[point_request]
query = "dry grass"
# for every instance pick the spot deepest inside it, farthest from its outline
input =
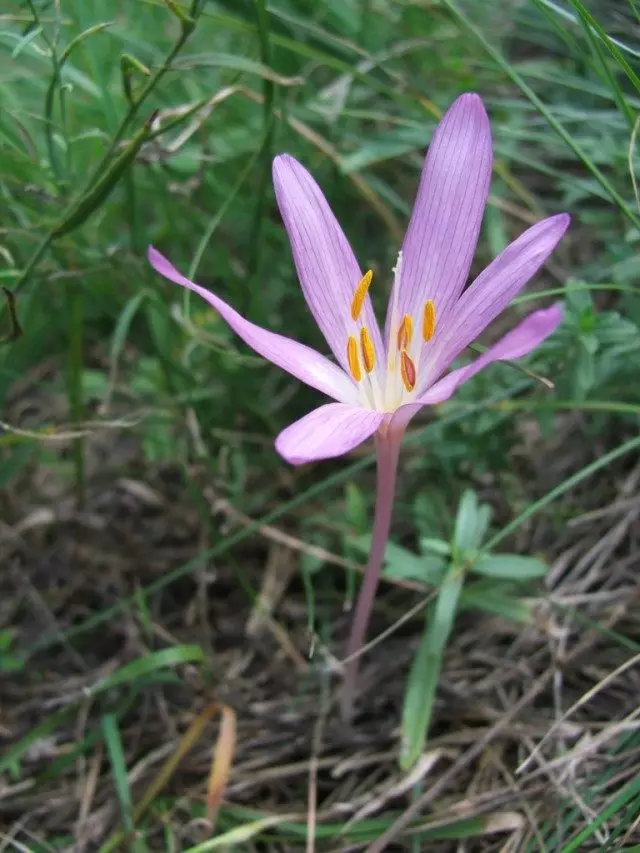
(528, 720)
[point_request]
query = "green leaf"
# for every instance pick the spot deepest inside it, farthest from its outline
(509, 566)
(402, 564)
(425, 670)
(436, 546)
(115, 752)
(570, 140)
(356, 507)
(104, 186)
(472, 523)
(478, 597)
(140, 669)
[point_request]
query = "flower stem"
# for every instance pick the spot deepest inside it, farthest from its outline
(387, 452)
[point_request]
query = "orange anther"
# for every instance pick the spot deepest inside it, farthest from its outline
(352, 358)
(405, 332)
(407, 371)
(366, 347)
(359, 296)
(429, 320)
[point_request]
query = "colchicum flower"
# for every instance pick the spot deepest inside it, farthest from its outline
(382, 379)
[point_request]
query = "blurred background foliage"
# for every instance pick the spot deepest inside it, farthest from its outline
(142, 121)
(354, 90)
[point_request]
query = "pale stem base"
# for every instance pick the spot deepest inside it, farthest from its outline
(387, 452)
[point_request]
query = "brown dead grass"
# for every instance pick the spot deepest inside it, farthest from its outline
(526, 718)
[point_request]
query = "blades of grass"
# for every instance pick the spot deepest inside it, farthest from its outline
(426, 667)
(128, 674)
(279, 511)
(562, 488)
(15, 329)
(10, 761)
(561, 827)
(56, 85)
(222, 756)
(115, 752)
(86, 204)
(631, 158)
(628, 792)
(329, 60)
(577, 287)
(598, 50)
(610, 406)
(465, 22)
(591, 23)
(268, 124)
(219, 215)
(294, 827)
(81, 748)
(163, 659)
(118, 340)
(104, 175)
(75, 392)
(567, 16)
(240, 834)
(475, 597)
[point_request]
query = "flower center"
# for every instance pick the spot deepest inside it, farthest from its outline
(386, 390)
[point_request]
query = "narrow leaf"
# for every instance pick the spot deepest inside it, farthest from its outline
(509, 566)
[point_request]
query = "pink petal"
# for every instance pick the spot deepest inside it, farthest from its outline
(326, 432)
(297, 359)
(327, 268)
(442, 234)
(494, 289)
(521, 340)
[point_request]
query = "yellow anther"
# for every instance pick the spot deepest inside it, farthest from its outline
(429, 320)
(405, 332)
(352, 358)
(359, 296)
(366, 347)
(407, 371)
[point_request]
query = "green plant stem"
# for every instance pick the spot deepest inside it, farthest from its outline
(98, 171)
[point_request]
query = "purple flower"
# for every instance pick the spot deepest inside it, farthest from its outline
(381, 380)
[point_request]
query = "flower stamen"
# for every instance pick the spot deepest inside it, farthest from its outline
(360, 295)
(405, 332)
(366, 347)
(352, 358)
(407, 371)
(429, 320)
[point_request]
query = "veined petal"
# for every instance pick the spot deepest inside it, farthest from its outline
(521, 340)
(297, 359)
(327, 268)
(441, 238)
(494, 289)
(326, 432)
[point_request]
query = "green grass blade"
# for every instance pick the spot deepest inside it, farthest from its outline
(592, 24)
(115, 753)
(425, 671)
(577, 149)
